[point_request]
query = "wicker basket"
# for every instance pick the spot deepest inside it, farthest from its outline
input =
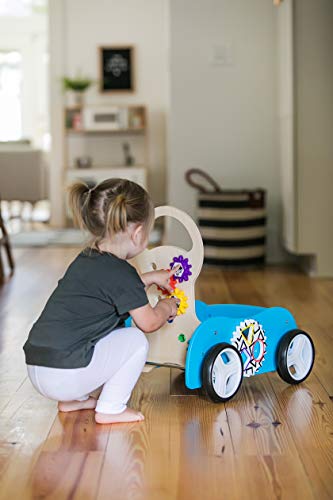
(232, 223)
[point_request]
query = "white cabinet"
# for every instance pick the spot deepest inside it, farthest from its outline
(93, 176)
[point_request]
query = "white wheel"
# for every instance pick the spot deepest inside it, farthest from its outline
(299, 356)
(222, 372)
(295, 356)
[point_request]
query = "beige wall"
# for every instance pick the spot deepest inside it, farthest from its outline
(314, 129)
(305, 38)
(223, 118)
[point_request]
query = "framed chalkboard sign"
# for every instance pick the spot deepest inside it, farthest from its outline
(116, 69)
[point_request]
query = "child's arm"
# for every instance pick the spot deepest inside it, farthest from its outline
(149, 319)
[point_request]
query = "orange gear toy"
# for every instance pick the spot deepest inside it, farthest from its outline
(183, 305)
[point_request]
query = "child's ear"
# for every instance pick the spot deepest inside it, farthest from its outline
(137, 234)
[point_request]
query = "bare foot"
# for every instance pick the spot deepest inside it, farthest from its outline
(127, 415)
(88, 404)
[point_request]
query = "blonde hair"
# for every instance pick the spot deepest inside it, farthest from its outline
(109, 207)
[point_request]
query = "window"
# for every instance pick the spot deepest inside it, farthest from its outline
(10, 96)
(21, 8)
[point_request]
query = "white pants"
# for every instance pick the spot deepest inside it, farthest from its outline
(116, 365)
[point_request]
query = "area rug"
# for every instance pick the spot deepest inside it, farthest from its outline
(52, 237)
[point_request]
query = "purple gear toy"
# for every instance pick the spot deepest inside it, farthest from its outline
(183, 272)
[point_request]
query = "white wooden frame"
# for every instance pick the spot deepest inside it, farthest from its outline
(165, 346)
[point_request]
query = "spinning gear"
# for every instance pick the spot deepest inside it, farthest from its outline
(184, 271)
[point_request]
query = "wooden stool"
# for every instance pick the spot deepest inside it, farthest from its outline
(4, 242)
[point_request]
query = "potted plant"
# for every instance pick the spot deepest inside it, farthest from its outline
(77, 85)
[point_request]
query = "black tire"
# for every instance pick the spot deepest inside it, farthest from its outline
(281, 361)
(207, 372)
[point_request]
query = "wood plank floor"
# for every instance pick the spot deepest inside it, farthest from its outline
(271, 441)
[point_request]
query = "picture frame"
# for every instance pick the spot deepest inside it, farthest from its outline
(117, 68)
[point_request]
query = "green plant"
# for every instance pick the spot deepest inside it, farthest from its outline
(76, 84)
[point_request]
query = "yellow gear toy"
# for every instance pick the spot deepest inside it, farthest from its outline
(183, 305)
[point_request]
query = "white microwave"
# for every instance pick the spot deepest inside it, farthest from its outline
(105, 118)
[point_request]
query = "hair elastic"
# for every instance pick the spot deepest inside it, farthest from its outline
(120, 198)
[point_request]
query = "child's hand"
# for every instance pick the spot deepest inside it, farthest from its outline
(149, 319)
(160, 278)
(173, 304)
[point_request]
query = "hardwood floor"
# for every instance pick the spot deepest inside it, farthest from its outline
(272, 441)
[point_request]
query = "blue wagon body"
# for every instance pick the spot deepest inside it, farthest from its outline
(223, 323)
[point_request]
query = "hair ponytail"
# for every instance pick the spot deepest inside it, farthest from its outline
(109, 207)
(116, 218)
(78, 198)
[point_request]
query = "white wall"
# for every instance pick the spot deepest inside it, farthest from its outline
(142, 23)
(57, 44)
(224, 118)
(221, 118)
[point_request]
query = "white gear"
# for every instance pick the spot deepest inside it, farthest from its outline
(250, 335)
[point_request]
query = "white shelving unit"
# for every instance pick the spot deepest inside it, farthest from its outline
(105, 147)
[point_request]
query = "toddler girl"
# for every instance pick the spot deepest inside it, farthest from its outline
(80, 342)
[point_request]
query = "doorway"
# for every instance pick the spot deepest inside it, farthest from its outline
(24, 114)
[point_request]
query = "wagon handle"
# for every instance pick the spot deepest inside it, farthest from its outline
(196, 254)
(196, 184)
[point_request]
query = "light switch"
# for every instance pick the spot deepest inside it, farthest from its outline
(221, 55)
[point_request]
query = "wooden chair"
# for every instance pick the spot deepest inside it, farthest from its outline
(5, 243)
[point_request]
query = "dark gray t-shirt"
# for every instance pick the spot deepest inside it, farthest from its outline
(92, 299)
